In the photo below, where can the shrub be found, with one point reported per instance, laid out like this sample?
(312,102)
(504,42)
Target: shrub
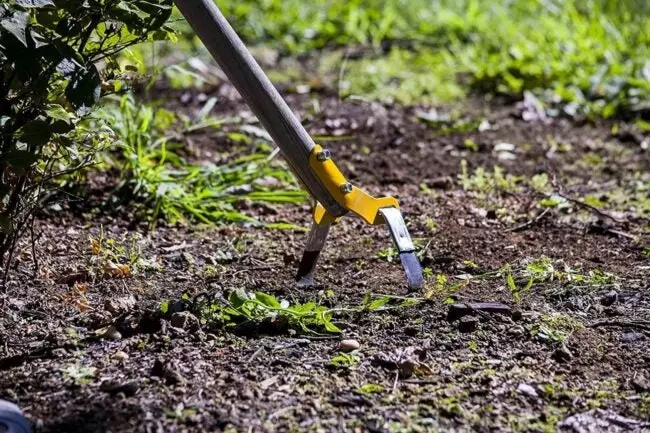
(57,58)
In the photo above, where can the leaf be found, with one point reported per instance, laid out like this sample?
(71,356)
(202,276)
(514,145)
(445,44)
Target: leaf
(17,26)
(36,133)
(84,89)
(34,3)
(378,303)
(5,224)
(238,298)
(20,158)
(267,300)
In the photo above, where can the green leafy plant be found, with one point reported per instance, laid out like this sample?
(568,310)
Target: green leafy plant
(159,182)
(49,52)
(344,360)
(265,311)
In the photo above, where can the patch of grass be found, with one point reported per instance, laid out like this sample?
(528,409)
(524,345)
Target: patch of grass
(156,180)
(590,56)
(370,388)
(344,360)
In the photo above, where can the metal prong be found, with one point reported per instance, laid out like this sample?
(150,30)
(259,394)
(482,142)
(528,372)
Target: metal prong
(404,244)
(315,244)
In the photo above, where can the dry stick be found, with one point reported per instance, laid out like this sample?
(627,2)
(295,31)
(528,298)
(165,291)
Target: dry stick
(529,223)
(640,324)
(591,208)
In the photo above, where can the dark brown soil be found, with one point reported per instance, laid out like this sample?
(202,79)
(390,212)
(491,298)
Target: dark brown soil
(501,375)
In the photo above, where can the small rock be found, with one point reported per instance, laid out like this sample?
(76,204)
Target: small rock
(517,315)
(641,384)
(631,337)
(167,371)
(186,321)
(120,356)
(348,345)
(456,311)
(609,298)
(112,333)
(562,354)
(114,387)
(517,331)
(468,324)
(614,311)
(120,305)
(527,390)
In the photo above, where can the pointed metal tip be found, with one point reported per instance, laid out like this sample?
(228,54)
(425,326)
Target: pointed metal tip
(413,270)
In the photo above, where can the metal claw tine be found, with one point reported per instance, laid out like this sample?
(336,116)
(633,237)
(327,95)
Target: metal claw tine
(315,243)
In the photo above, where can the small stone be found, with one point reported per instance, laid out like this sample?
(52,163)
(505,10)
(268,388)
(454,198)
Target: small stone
(186,321)
(348,345)
(609,298)
(517,331)
(631,337)
(527,390)
(641,384)
(114,387)
(517,315)
(562,354)
(468,324)
(121,305)
(168,371)
(112,333)
(120,356)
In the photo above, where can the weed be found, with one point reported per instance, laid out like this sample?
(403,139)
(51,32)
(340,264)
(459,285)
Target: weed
(344,360)
(160,183)
(80,374)
(243,308)
(370,388)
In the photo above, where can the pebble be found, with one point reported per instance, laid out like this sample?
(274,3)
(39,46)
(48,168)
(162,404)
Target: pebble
(517,315)
(348,345)
(185,320)
(527,390)
(609,298)
(517,331)
(120,356)
(112,333)
(117,306)
(641,384)
(468,324)
(562,354)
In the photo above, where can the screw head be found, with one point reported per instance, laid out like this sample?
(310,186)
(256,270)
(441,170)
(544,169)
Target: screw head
(323,155)
(346,187)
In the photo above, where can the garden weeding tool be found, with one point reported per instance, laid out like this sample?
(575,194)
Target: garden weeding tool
(312,164)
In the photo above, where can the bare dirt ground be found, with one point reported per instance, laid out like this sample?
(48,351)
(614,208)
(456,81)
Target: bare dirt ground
(570,352)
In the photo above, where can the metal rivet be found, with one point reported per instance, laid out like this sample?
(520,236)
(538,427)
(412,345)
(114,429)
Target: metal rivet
(323,155)
(346,187)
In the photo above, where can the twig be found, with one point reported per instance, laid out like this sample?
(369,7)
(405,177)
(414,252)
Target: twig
(34,256)
(396,381)
(590,207)
(255,355)
(640,324)
(529,223)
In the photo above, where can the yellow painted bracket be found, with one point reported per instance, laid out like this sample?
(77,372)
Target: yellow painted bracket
(352,198)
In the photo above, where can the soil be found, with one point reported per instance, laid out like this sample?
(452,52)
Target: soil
(415,370)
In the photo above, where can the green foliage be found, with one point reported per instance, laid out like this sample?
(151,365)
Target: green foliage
(344,360)
(591,56)
(265,311)
(49,79)
(158,182)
